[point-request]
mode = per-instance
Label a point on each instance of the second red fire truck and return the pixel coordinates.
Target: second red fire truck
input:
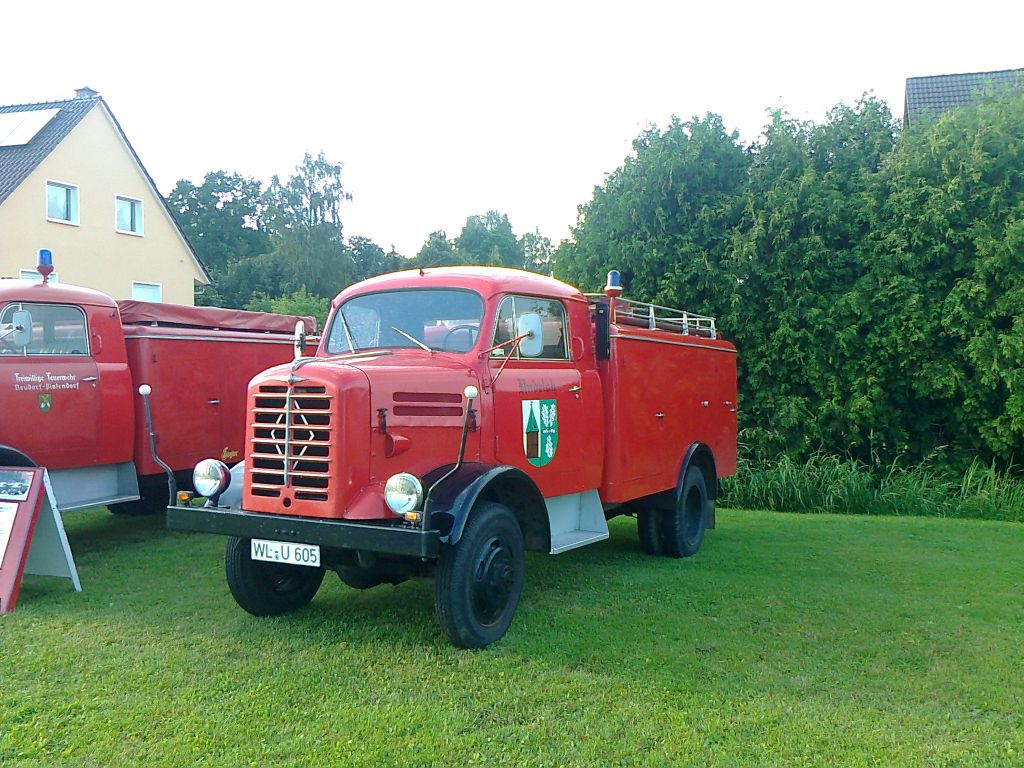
(454, 418)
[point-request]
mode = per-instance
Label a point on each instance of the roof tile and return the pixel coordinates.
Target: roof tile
(933, 95)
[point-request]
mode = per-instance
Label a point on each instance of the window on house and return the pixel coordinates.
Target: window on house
(128, 215)
(147, 291)
(62, 202)
(35, 277)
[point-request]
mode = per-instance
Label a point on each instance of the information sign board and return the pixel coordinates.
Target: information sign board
(32, 538)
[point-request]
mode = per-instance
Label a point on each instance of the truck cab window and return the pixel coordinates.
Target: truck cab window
(442, 319)
(552, 315)
(56, 329)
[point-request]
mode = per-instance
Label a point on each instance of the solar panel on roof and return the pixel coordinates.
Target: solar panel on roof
(17, 128)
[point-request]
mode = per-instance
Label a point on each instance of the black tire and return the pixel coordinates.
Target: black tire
(683, 528)
(479, 580)
(359, 578)
(648, 527)
(267, 589)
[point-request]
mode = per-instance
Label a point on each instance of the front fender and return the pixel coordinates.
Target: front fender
(452, 501)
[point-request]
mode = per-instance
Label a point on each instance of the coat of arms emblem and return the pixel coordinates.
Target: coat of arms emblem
(540, 430)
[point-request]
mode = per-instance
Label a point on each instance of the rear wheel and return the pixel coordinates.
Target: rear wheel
(479, 580)
(683, 528)
(267, 589)
(648, 528)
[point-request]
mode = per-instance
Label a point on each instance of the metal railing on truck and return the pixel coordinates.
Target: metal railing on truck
(642, 314)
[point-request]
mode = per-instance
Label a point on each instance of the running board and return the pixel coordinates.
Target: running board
(576, 519)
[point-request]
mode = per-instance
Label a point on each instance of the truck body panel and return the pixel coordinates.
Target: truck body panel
(658, 410)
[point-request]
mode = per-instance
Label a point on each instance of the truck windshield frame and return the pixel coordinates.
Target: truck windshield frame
(443, 319)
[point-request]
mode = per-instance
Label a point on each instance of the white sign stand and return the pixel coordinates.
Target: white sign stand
(50, 553)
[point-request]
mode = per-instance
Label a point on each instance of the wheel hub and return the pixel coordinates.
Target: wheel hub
(493, 578)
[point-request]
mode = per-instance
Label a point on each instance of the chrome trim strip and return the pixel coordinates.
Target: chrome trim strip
(672, 343)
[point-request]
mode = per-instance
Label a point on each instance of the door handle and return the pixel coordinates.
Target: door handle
(213, 401)
(89, 378)
(575, 388)
(660, 414)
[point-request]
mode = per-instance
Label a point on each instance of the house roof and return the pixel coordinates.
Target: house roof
(935, 94)
(17, 162)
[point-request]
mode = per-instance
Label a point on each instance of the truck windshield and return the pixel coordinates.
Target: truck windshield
(441, 319)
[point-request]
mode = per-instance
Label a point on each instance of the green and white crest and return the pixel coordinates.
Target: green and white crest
(540, 431)
(45, 402)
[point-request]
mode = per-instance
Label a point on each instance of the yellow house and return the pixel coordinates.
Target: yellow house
(71, 182)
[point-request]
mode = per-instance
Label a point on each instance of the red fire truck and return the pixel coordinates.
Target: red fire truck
(453, 418)
(72, 361)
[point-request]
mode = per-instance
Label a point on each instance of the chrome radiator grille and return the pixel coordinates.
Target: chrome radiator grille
(291, 441)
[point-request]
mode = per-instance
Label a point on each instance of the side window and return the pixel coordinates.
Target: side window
(56, 329)
(552, 316)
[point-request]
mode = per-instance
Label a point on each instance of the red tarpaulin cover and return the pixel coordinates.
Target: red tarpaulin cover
(209, 317)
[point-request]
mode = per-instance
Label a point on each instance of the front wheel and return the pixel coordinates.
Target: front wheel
(479, 579)
(267, 589)
(683, 527)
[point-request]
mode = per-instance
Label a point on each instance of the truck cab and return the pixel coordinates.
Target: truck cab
(453, 418)
(64, 371)
(72, 361)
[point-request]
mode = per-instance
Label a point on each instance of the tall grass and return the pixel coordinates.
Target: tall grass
(826, 483)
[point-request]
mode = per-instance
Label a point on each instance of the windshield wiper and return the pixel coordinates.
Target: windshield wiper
(348, 331)
(414, 340)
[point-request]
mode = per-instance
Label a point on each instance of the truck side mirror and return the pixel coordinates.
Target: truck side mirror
(22, 320)
(300, 339)
(531, 326)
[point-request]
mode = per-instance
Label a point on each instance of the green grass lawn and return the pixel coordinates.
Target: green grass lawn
(789, 640)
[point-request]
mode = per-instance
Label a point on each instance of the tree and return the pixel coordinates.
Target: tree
(536, 252)
(664, 219)
(223, 218)
(300, 303)
(370, 260)
(437, 251)
(311, 198)
(489, 240)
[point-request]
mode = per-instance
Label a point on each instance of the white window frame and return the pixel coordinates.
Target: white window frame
(159, 286)
(74, 220)
(34, 276)
(141, 231)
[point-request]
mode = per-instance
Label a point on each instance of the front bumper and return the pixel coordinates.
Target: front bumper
(384, 538)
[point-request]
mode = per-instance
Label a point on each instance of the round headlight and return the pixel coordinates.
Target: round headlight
(403, 493)
(210, 477)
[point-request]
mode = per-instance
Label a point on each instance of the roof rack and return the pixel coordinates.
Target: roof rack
(656, 317)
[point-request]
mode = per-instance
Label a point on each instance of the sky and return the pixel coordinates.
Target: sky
(440, 110)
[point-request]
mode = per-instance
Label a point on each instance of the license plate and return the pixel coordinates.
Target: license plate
(285, 552)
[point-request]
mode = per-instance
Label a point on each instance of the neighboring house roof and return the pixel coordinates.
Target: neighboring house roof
(17, 162)
(933, 95)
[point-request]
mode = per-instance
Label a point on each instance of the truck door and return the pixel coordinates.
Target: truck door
(51, 399)
(539, 403)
